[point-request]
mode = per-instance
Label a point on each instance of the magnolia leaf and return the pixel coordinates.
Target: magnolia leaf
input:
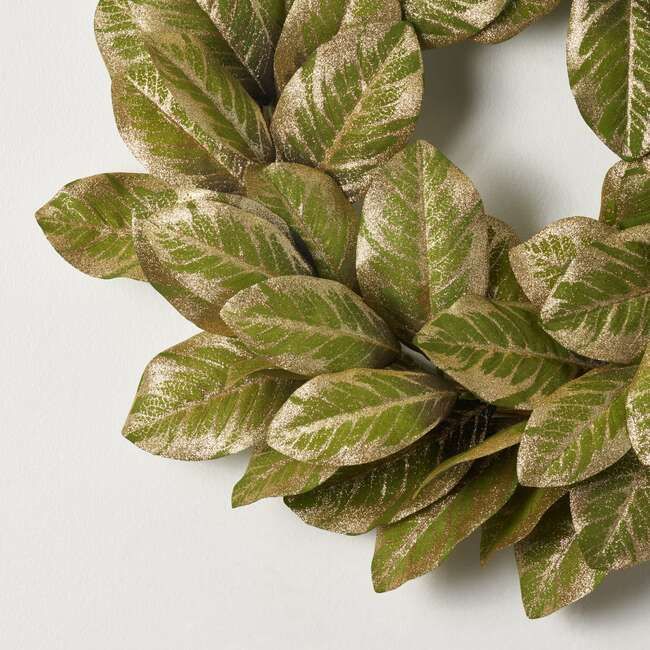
(310, 326)
(638, 410)
(626, 194)
(252, 29)
(441, 22)
(360, 498)
(270, 474)
(501, 440)
(552, 569)
(423, 238)
(317, 211)
(416, 545)
(358, 416)
(184, 410)
(497, 350)
(517, 519)
(353, 104)
(611, 513)
(311, 23)
(517, 15)
(502, 283)
(578, 431)
(89, 221)
(198, 255)
(541, 261)
(607, 56)
(601, 306)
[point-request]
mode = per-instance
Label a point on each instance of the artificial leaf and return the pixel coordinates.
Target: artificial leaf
(310, 326)
(359, 498)
(601, 306)
(353, 104)
(200, 254)
(516, 16)
(552, 569)
(517, 519)
(89, 221)
(251, 28)
(443, 22)
(578, 431)
(423, 238)
(270, 474)
(184, 410)
(311, 23)
(497, 350)
(541, 261)
(609, 71)
(316, 210)
(360, 415)
(638, 410)
(611, 513)
(502, 283)
(418, 544)
(626, 194)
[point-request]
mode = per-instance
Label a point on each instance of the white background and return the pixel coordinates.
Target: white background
(105, 547)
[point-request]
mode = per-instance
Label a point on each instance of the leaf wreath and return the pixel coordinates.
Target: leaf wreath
(414, 366)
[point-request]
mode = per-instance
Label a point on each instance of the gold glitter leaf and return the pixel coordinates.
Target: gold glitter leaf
(626, 194)
(497, 350)
(578, 431)
(358, 416)
(310, 326)
(359, 498)
(416, 545)
(311, 23)
(502, 284)
(317, 211)
(601, 306)
(638, 410)
(611, 513)
(552, 570)
(517, 15)
(353, 104)
(423, 238)
(609, 71)
(89, 221)
(184, 409)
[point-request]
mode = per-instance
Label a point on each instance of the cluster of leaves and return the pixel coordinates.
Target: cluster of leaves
(415, 368)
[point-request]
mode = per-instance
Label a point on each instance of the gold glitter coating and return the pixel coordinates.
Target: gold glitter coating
(637, 406)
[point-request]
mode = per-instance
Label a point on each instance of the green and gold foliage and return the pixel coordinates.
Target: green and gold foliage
(410, 366)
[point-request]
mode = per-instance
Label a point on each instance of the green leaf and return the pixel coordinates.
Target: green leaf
(578, 431)
(252, 29)
(311, 23)
(497, 350)
(317, 211)
(497, 442)
(540, 262)
(201, 253)
(359, 498)
(502, 283)
(89, 221)
(517, 15)
(423, 238)
(358, 416)
(184, 410)
(626, 195)
(310, 326)
(611, 513)
(418, 544)
(552, 570)
(601, 306)
(353, 104)
(270, 474)
(517, 519)
(443, 22)
(638, 410)
(609, 71)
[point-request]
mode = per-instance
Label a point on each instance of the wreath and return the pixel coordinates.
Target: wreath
(411, 366)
